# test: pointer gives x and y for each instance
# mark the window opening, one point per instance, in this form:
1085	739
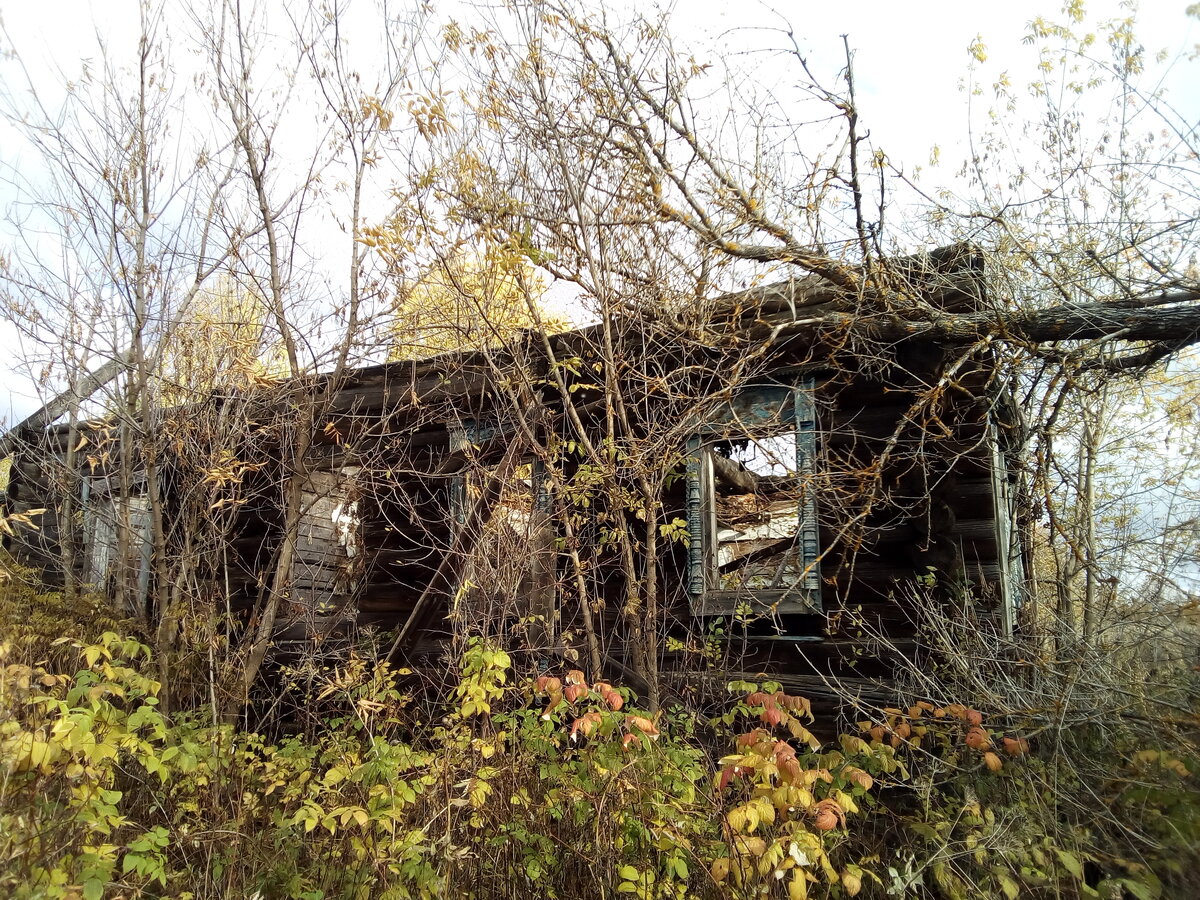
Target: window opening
752	510
511	561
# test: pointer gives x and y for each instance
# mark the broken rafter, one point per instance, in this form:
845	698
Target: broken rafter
77	393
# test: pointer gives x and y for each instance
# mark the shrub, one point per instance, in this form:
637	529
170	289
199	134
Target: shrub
561	786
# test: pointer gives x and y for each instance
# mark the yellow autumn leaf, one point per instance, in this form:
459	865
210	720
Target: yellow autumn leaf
736	819
798	886
851	883
720	869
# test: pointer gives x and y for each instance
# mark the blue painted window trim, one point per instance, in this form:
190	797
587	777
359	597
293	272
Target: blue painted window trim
470	432
746	410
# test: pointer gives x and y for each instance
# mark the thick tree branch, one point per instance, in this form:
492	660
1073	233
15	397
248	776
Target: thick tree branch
1178	325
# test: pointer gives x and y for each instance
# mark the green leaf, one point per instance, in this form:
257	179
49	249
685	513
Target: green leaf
1011	889
629	873
336	775
1141	890
1071	863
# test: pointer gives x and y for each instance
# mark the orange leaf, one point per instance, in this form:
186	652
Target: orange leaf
977	739
644	725
575	691
862	779
1015	747
790	768
771	715
586	724
825	819
552	704
750	738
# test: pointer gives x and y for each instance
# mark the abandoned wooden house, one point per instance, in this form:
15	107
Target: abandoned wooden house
597	495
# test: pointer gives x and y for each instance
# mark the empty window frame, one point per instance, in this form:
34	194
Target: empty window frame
753	537
509	558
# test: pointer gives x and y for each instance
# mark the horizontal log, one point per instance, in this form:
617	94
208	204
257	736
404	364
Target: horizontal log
1170	316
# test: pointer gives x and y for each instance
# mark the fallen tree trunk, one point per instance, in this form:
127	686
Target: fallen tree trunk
1171	320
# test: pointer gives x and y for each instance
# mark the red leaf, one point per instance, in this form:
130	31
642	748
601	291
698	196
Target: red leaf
726	776
977	739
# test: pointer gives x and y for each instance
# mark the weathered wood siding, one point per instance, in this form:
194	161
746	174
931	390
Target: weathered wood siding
907	473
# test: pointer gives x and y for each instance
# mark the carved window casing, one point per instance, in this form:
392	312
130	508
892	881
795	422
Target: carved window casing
752	511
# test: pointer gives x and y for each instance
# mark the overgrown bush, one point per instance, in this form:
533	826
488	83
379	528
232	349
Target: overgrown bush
551	789
33	617
1050	766
561	787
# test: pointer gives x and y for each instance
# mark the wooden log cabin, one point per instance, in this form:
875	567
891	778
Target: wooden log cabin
803	485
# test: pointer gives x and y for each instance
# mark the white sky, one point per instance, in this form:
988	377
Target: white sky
910	60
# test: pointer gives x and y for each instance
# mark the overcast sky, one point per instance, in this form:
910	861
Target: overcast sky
911	60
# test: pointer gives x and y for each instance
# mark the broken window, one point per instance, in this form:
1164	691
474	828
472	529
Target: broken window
104	516
752	511
328	556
